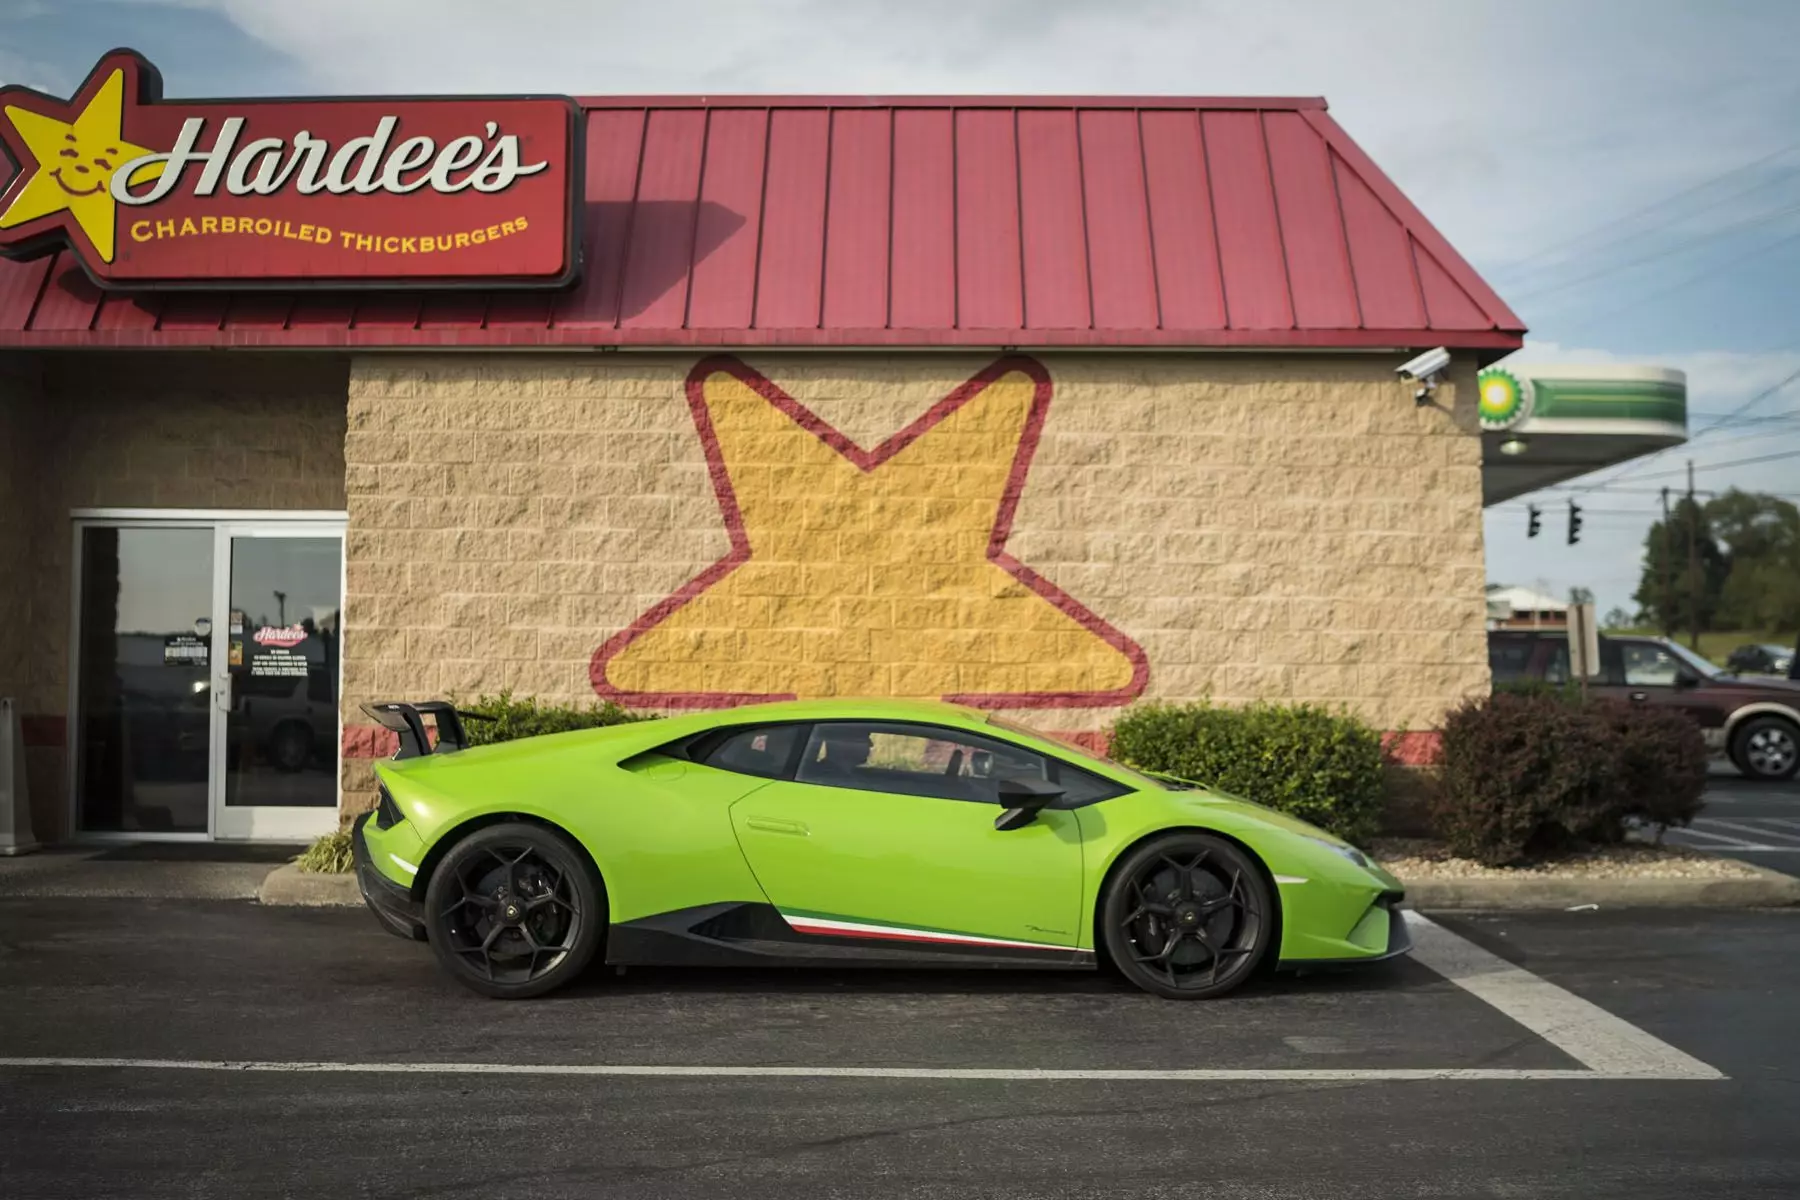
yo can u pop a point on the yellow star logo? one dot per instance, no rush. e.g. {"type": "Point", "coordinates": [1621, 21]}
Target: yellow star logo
{"type": "Point", "coordinates": [870, 571]}
{"type": "Point", "coordinates": [76, 162]}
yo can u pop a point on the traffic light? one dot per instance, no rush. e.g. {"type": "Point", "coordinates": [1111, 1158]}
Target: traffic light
{"type": "Point", "coordinates": [1531, 529]}
{"type": "Point", "coordinates": [1574, 522]}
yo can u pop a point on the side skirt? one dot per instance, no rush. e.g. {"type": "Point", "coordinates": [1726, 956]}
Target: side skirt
{"type": "Point", "coordinates": [746, 934]}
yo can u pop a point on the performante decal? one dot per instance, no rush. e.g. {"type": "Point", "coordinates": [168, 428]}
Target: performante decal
{"type": "Point", "coordinates": [802, 922]}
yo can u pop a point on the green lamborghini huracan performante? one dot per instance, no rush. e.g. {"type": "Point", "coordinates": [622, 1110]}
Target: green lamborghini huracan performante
{"type": "Point", "coordinates": [840, 833]}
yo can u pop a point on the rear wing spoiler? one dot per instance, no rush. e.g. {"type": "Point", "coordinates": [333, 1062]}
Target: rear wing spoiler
{"type": "Point", "coordinates": [407, 721]}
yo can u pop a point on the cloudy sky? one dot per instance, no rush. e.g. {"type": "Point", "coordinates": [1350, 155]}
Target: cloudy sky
{"type": "Point", "coordinates": [1625, 172]}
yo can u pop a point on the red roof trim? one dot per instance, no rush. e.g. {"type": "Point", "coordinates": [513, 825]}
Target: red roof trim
{"type": "Point", "coordinates": [311, 337]}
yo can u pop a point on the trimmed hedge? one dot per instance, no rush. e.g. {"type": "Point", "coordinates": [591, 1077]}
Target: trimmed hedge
{"type": "Point", "coordinates": [1529, 776]}
{"type": "Point", "coordinates": [1310, 762]}
{"type": "Point", "coordinates": [521, 718]}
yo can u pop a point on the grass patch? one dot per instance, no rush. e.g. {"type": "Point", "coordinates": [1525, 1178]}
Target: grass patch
{"type": "Point", "coordinates": [330, 855]}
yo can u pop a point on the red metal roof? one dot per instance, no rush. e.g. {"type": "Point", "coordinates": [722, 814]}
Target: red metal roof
{"type": "Point", "coordinates": [847, 221]}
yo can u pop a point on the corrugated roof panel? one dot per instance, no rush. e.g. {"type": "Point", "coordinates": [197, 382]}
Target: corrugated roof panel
{"type": "Point", "coordinates": [1318, 261]}
{"type": "Point", "coordinates": [922, 291]}
{"type": "Point", "coordinates": [1251, 258]}
{"type": "Point", "coordinates": [1053, 228]}
{"type": "Point", "coordinates": [1121, 268]}
{"type": "Point", "coordinates": [921, 221]}
{"type": "Point", "coordinates": [654, 295]}
{"type": "Point", "coordinates": [615, 142]}
{"type": "Point", "coordinates": [722, 294]}
{"type": "Point", "coordinates": [1380, 255]}
{"type": "Point", "coordinates": [989, 285]}
{"type": "Point", "coordinates": [1184, 236]}
{"type": "Point", "coordinates": [790, 267]}
{"type": "Point", "coordinates": [1447, 306]}
{"type": "Point", "coordinates": [856, 219]}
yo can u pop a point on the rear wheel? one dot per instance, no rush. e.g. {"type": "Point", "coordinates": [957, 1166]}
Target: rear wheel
{"type": "Point", "coordinates": [1766, 748]}
{"type": "Point", "coordinates": [513, 911]}
{"type": "Point", "coordinates": [1187, 916]}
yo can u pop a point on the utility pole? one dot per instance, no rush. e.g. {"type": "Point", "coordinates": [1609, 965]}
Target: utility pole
{"type": "Point", "coordinates": [1693, 563]}
{"type": "Point", "coordinates": [1668, 562]}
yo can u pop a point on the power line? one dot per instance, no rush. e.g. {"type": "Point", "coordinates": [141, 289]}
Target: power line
{"type": "Point", "coordinates": [1719, 466]}
{"type": "Point", "coordinates": [1615, 222]}
{"type": "Point", "coordinates": [1666, 252]}
{"type": "Point", "coordinates": [1630, 235]}
{"type": "Point", "coordinates": [1643, 298]}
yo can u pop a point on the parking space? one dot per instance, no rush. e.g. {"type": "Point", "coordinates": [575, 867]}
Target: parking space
{"type": "Point", "coordinates": [1748, 819]}
{"type": "Point", "coordinates": [1563, 1055]}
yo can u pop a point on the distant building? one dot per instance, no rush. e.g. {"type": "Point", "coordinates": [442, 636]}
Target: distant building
{"type": "Point", "coordinates": [1522, 608]}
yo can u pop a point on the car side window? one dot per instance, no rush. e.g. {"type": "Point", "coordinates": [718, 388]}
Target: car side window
{"type": "Point", "coordinates": [765, 751]}
{"type": "Point", "coordinates": [1556, 668]}
{"type": "Point", "coordinates": [933, 761]}
{"type": "Point", "coordinates": [1649, 666]}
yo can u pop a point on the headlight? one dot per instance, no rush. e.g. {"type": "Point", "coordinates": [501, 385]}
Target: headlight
{"type": "Point", "coordinates": [1338, 848]}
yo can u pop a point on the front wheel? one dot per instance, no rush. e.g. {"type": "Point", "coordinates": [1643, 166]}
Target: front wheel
{"type": "Point", "coordinates": [1187, 916]}
{"type": "Point", "coordinates": [514, 911]}
{"type": "Point", "coordinates": [1766, 748]}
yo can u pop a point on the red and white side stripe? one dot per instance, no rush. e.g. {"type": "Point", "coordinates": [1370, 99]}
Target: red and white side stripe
{"type": "Point", "coordinates": [899, 933]}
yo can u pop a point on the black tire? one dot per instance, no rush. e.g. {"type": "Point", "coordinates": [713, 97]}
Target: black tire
{"type": "Point", "coordinates": [1766, 748]}
{"type": "Point", "coordinates": [514, 911]}
{"type": "Point", "coordinates": [1187, 916]}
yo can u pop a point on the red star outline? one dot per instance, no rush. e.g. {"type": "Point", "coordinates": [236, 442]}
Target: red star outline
{"type": "Point", "coordinates": [866, 461]}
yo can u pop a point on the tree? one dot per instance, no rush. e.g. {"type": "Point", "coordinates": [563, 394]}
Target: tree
{"type": "Point", "coordinates": [1616, 618]}
{"type": "Point", "coordinates": [1581, 595]}
{"type": "Point", "coordinates": [1761, 537]}
{"type": "Point", "coordinates": [1674, 607]}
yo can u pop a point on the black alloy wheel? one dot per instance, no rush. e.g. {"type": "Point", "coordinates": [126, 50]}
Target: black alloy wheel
{"type": "Point", "coordinates": [514, 911]}
{"type": "Point", "coordinates": [1766, 748]}
{"type": "Point", "coordinates": [1187, 917]}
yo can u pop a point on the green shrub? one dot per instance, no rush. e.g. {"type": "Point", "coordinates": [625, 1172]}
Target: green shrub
{"type": "Point", "coordinates": [521, 718]}
{"type": "Point", "coordinates": [1662, 761]}
{"type": "Point", "coordinates": [1321, 766]}
{"type": "Point", "coordinates": [329, 855]}
{"type": "Point", "coordinates": [1526, 776]}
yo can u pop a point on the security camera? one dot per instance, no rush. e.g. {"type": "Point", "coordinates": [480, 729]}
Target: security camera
{"type": "Point", "coordinates": [1428, 364]}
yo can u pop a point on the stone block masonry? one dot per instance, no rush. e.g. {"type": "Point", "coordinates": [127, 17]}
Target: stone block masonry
{"type": "Point", "coordinates": [1055, 536]}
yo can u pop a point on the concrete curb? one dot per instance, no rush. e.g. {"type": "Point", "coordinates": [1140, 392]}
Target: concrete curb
{"type": "Point", "coordinates": [1769, 889]}
{"type": "Point", "coordinates": [288, 885]}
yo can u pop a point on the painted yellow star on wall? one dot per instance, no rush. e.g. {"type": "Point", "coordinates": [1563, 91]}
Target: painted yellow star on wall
{"type": "Point", "coordinates": [76, 162]}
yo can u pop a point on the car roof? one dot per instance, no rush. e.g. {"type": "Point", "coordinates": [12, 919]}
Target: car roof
{"type": "Point", "coordinates": [849, 708]}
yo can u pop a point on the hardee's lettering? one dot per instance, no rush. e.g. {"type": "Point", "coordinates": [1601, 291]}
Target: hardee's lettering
{"type": "Point", "coordinates": [430, 192]}
{"type": "Point", "coordinates": [363, 164]}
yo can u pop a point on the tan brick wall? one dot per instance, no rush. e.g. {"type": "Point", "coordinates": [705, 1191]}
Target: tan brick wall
{"type": "Point", "coordinates": [165, 430]}
{"type": "Point", "coordinates": [1281, 527]}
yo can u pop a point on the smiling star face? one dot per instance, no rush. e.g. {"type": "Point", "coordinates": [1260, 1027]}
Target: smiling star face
{"type": "Point", "coordinates": [76, 162]}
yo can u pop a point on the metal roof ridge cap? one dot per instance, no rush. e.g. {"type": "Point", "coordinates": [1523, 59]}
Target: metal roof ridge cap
{"type": "Point", "coordinates": [590, 102]}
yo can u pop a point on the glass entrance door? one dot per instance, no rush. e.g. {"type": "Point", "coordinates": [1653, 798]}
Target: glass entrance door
{"type": "Point", "coordinates": [206, 676]}
{"type": "Point", "coordinates": [279, 601]}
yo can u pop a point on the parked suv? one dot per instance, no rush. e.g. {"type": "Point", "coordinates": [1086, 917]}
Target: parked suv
{"type": "Point", "coordinates": [1755, 721]}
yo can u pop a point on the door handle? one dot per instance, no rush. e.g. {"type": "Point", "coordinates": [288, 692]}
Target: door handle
{"type": "Point", "coordinates": [771, 825]}
{"type": "Point", "coordinates": [1639, 697]}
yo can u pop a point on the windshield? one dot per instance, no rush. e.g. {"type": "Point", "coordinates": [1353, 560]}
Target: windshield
{"type": "Point", "coordinates": [1700, 666]}
{"type": "Point", "coordinates": [1063, 739]}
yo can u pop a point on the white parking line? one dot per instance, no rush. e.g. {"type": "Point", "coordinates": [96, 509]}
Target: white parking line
{"type": "Point", "coordinates": [1759, 828]}
{"type": "Point", "coordinates": [1323, 1075]}
{"type": "Point", "coordinates": [1587, 1033]}
{"type": "Point", "coordinates": [1731, 843]}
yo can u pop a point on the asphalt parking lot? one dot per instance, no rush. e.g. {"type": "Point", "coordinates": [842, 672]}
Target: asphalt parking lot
{"type": "Point", "coordinates": [1750, 819]}
{"type": "Point", "coordinates": [215, 1048]}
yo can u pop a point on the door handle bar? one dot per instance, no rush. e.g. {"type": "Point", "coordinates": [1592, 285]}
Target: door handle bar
{"type": "Point", "coordinates": [771, 825]}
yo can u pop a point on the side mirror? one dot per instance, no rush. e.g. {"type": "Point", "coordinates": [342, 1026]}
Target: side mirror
{"type": "Point", "coordinates": [1685, 680]}
{"type": "Point", "coordinates": [1023, 799]}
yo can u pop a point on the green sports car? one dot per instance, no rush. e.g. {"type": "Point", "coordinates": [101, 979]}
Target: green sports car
{"type": "Point", "coordinates": [843, 833]}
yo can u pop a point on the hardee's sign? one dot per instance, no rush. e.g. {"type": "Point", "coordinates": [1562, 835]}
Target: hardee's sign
{"type": "Point", "coordinates": [195, 193]}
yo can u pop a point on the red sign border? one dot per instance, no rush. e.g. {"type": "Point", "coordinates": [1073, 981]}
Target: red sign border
{"type": "Point", "coordinates": [144, 84]}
